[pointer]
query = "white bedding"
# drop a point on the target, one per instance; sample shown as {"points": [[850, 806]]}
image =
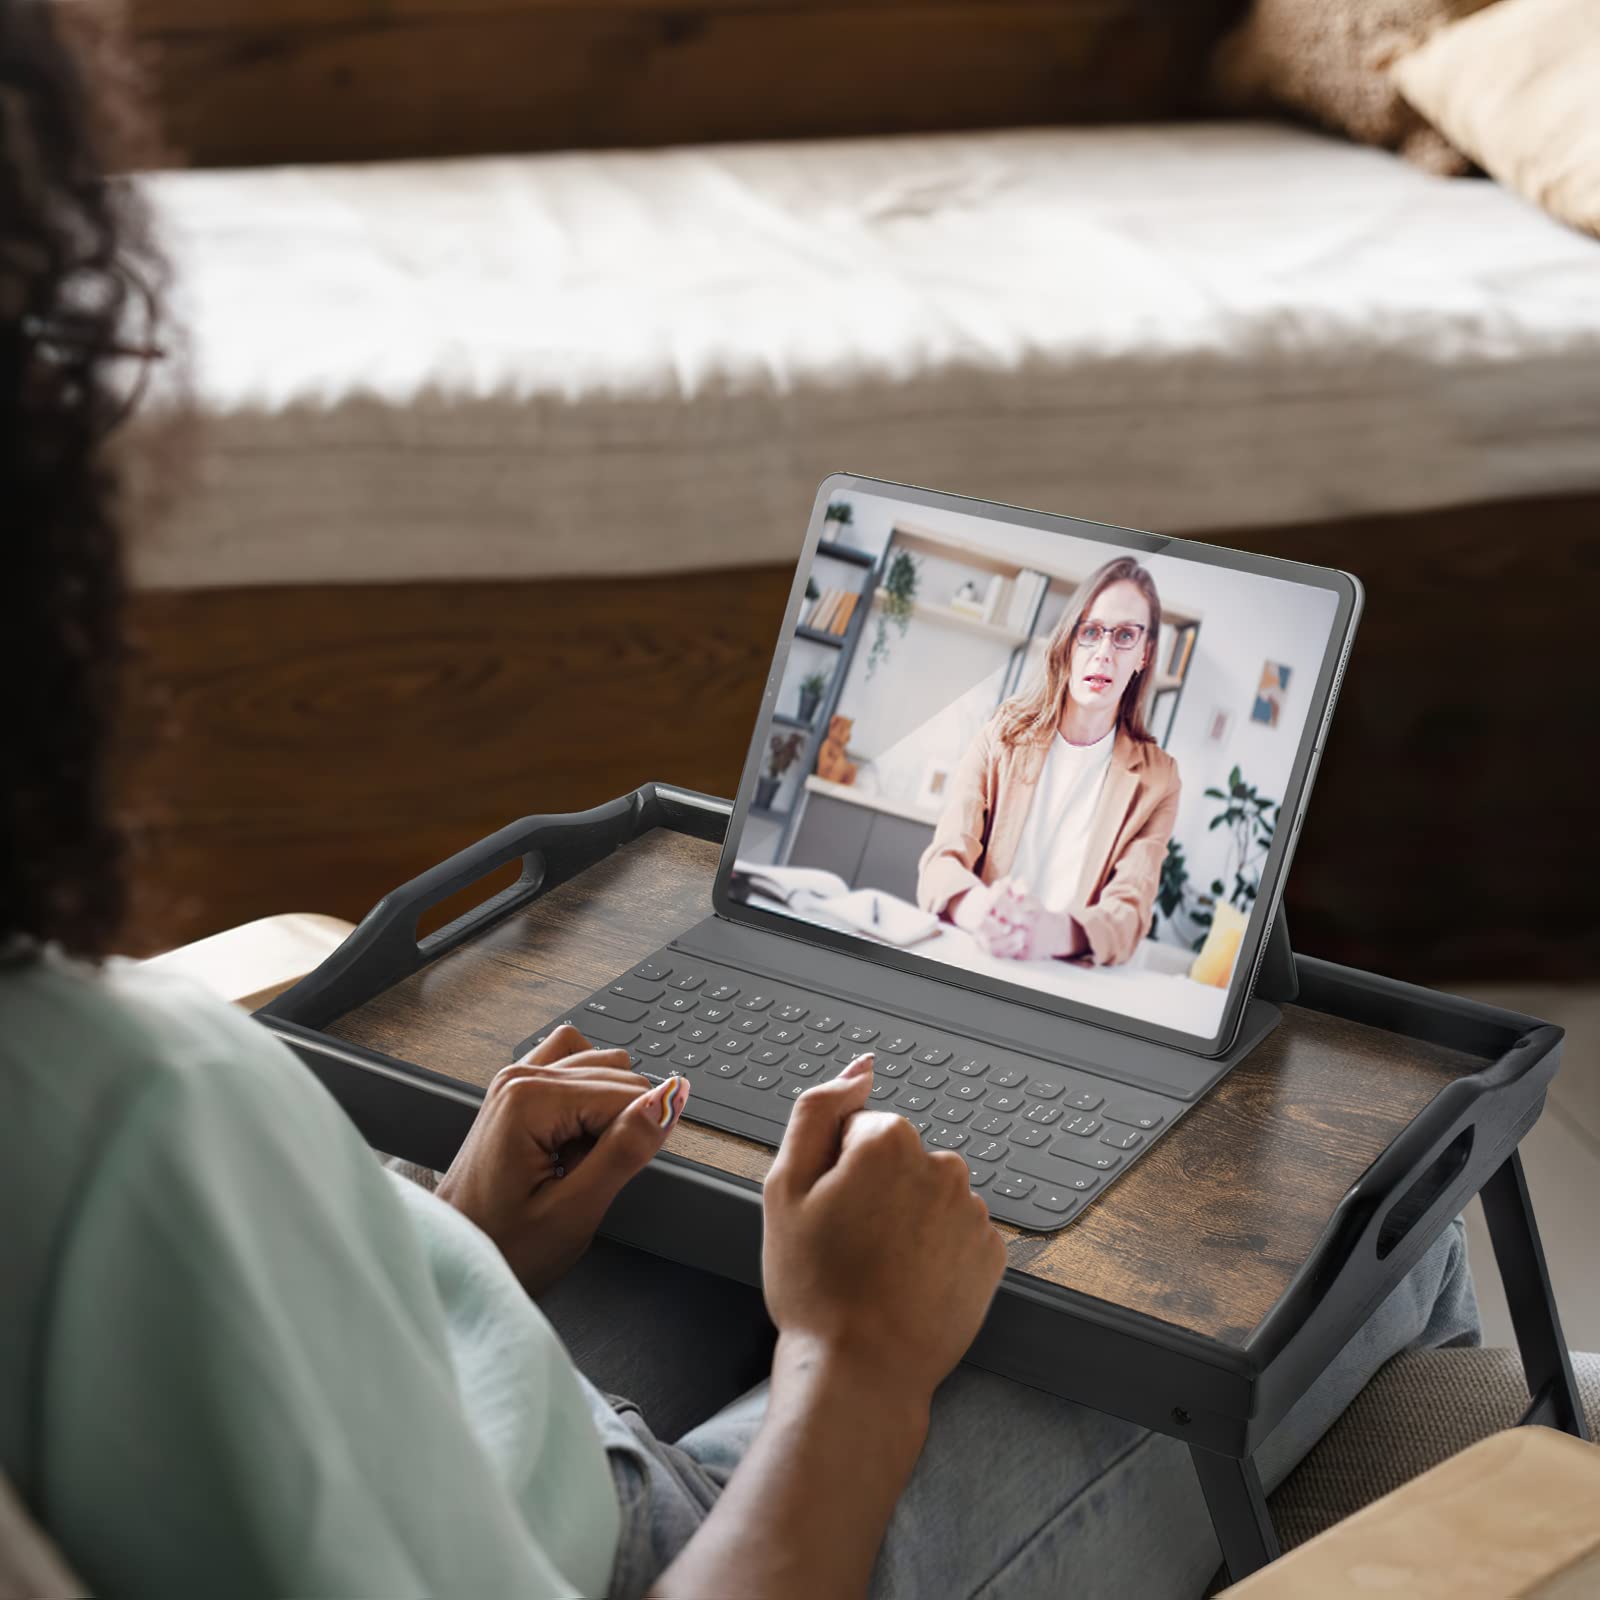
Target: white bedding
{"points": [[593, 363]]}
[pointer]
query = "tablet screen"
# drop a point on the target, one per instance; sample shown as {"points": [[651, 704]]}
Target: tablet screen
{"points": [[1060, 757]]}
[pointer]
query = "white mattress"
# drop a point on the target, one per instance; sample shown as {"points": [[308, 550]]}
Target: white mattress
{"points": [[591, 363]]}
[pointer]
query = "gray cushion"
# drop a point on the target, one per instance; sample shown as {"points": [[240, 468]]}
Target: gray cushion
{"points": [[1421, 1408]]}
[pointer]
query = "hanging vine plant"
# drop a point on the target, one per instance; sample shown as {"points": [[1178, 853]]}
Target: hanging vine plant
{"points": [[899, 600]]}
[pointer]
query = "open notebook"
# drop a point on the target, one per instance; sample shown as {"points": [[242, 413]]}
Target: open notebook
{"points": [[808, 890]]}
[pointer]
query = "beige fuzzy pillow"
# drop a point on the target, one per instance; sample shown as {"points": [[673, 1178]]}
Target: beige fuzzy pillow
{"points": [[1329, 60], [1518, 89]]}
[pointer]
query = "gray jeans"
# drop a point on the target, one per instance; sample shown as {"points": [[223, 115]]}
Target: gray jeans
{"points": [[1016, 1493]]}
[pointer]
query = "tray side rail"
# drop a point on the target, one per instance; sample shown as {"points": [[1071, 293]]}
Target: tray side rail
{"points": [[384, 947]]}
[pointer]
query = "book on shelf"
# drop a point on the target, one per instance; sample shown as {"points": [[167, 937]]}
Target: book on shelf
{"points": [[1178, 661], [1025, 597], [1165, 640], [847, 609], [995, 597]]}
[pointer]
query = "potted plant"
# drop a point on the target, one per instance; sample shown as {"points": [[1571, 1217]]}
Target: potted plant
{"points": [[812, 688], [897, 599], [782, 754], [1251, 819], [841, 514]]}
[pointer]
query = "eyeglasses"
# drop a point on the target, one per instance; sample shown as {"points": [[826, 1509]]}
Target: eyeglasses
{"points": [[74, 339], [1123, 637]]}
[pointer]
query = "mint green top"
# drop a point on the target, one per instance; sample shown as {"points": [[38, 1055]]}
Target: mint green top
{"points": [[237, 1356]]}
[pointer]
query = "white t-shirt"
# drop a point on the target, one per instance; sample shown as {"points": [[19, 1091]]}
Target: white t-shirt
{"points": [[1049, 856]]}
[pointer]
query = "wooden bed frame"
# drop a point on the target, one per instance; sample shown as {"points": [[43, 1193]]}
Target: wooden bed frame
{"points": [[310, 748]]}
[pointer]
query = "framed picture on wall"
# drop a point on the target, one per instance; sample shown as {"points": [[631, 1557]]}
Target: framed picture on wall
{"points": [[1270, 693], [935, 787]]}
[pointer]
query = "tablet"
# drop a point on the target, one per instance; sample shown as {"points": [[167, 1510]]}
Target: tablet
{"points": [[1073, 759]]}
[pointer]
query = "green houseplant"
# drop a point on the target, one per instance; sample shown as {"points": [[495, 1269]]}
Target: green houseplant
{"points": [[896, 603], [1252, 819], [841, 514], [812, 688]]}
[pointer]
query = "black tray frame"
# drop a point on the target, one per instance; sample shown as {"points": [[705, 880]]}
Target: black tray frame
{"points": [[1221, 1400]]}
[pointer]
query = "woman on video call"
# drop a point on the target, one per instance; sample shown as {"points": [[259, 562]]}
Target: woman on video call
{"points": [[1052, 840]]}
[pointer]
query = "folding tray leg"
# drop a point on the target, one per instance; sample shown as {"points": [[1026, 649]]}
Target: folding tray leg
{"points": [[1238, 1508], [1519, 1254]]}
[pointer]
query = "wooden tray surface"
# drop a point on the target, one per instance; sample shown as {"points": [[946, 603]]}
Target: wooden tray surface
{"points": [[1205, 1232]]}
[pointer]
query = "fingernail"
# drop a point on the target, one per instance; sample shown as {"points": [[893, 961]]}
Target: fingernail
{"points": [[854, 1069], [667, 1100]]}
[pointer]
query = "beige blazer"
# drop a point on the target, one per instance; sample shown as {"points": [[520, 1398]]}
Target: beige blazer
{"points": [[981, 825]]}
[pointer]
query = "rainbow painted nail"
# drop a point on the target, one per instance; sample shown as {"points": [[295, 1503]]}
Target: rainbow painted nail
{"points": [[672, 1102]]}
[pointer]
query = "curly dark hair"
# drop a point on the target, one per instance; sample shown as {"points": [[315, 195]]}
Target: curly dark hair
{"points": [[79, 313]]}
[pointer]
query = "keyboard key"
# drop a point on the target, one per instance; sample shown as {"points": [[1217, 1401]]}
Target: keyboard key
{"points": [[1028, 1135], [793, 1091], [1066, 1175], [978, 1175], [1122, 1139], [720, 991], [750, 1024], [782, 1034], [929, 1077], [920, 1123], [653, 1047], [723, 1068], [651, 972], [1054, 1200], [1082, 1125], [950, 1112], [818, 1045], [789, 1012], [991, 1122], [887, 1067], [826, 1024], [755, 1002], [897, 1046], [633, 989], [1044, 1114], [690, 1056], [1045, 1088], [964, 1090], [947, 1138], [880, 1091], [1009, 1078], [1133, 1119], [769, 1058], [762, 1077], [688, 980], [933, 1056], [613, 1006], [698, 1034], [1013, 1187], [807, 1067], [988, 1150], [664, 1024], [859, 1035], [714, 1013], [679, 1003], [1006, 1100], [608, 1030], [916, 1099], [1087, 1155], [971, 1068], [1086, 1101], [732, 1045]]}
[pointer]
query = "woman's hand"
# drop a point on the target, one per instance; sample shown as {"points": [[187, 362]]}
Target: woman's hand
{"points": [[558, 1135], [1017, 926]]}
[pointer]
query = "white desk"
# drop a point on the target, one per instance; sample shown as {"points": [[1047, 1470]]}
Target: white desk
{"points": [[1140, 990]]}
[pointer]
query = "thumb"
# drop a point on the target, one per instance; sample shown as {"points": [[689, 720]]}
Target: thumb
{"points": [[811, 1141], [627, 1145]]}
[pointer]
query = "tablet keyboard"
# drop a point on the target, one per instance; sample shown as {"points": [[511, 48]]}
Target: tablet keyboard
{"points": [[1041, 1141]]}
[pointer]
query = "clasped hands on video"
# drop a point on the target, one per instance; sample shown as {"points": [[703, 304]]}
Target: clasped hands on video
{"points": [[1014, 925]]}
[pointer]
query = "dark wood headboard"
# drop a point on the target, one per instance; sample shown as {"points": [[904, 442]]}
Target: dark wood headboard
{"points": [[245, 82]]}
